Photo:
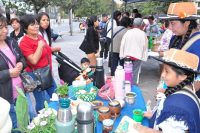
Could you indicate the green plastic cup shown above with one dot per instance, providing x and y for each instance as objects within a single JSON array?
[{"x": 138, "y": 115}]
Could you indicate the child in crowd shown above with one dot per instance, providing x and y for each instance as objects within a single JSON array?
[
  {"x": 85, "y": 63},
  {"x": 178, "y": 109},
  {"x": 87, "y": 72}
]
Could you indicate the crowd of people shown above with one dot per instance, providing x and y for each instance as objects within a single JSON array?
[
  {"x": 29, "y": 47},
  {"x": 178, "y": 39}
]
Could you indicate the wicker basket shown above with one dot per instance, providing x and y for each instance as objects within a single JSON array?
[{"x": 87, "y": 96}]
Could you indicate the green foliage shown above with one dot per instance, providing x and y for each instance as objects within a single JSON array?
[
  {"x": 22, "y": 110},
  {"x": 37, "y": 4},
  {"x": 65, "y": 5},
  {"x": 62, "y": 90},
  {"x": 151, "y": 7},
  {"x": 44, "y": 122},
  {"x": 93, "y": 7}
]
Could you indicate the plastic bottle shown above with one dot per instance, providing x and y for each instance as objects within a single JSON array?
[
  {"x": 128, "y": 68},
  {"x": 119, "y": 82},
  {"x": 148, "y": 105},
  {"x": 161, "y": 85}
]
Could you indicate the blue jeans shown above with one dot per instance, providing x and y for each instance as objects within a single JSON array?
[
  {"x": 31, "y": 108},
  {"x": 13, "y": 117},
  {"x": 41, "y": 96}
]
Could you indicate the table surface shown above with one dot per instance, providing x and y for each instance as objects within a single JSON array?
[{"x": 126, "y": 110}]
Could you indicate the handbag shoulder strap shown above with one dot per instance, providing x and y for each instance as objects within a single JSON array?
[
  {"x": 118, "y": 31},
  {"x": 190, "y": 42},
  {"x": 6, "y": 58}
]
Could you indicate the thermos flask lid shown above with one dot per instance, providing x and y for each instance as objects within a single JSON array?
[
  {"x": 64, "y": 102},
  {"x": 64, "y": 112},
  {"x": 84, "y": 112},
  {"x": 99, "y": 61},
  {"x": 119, "y": 67}
]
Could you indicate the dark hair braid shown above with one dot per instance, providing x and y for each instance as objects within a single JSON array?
[
  {"x": 187, "y": 81},
  {"x": 178, "y": 43}
]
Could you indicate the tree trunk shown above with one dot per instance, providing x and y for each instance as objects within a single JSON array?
[
  {"x": 8, "y": 14},
  {"x": 70, "y": 22}
]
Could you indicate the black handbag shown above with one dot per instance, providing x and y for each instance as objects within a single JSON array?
[
  {"x": 44, "y": 77},
  {"x": 83, "y": 45}
]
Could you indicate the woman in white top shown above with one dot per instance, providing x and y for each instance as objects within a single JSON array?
[
  {"x": 5, "y": 120},
  {"x": 45, "y": 28}
]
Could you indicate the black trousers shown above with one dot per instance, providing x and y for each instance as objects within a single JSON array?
[
  {"x": 105, "y": 44},
  {"x": 114, "y": 61}
]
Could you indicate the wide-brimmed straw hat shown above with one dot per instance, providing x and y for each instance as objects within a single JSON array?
[
  {"x": 181, "y": 59},
  {"x": 182, "y": 10}
]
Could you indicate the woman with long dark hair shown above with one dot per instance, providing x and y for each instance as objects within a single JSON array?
[
  {"x": 90, "y": 44},
  {"x": 45, "y": 28}
]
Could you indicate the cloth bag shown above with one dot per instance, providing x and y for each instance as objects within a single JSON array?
[{"x": 28, "y": 82}]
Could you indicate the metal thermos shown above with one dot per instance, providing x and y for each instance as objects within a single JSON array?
[
  {"x": 64, "y": 122},
  {"x": 99, "y": 80},
  {"x": 85, "y": 118}
]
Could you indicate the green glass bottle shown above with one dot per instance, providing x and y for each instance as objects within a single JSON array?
[{"x": 150, "y": 42}]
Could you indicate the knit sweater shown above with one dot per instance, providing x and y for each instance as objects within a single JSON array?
[{"x": 135, "y": 44}]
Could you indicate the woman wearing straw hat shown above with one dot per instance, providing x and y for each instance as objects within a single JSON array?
[
  {"x": 179, "y": 109},
  {"x": 183, "y": 18}
]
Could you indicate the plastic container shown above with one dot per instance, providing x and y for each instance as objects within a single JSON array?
[
  {"x": 128, "y": 68},
  {"x": 107, "y": 125},
  {"x": 119, "y": 82},
  {"x": 138, "y": 115},
  {"x": 127, "y": 86},
  {"x": 104, "y": 113},
  {"x": 115, "y": 108}
]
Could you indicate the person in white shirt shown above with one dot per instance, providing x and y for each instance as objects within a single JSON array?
[
  {"x": 134, "y": 44},
  {"x": 165, "y": 39},
  {"x": 116, "y": 20},
  {"x": 5, "y": 120}
]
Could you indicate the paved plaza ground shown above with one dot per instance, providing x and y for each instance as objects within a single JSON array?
[{"x": 70, "y": 47}]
